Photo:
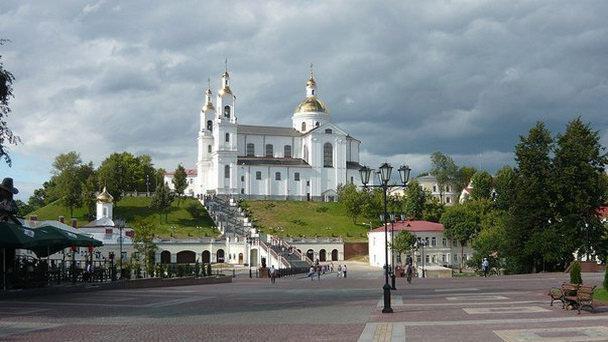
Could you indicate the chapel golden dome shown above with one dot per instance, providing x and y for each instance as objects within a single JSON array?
[
  {"x": 105, "y": 196},
  {"x": 311, "y": 104}
]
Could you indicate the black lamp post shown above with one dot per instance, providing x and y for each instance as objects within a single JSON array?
[
  {"x": 392, "y": 217},
  {"x": 385, "y": 176}
]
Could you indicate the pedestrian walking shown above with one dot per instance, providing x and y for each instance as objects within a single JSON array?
[
  {"x": 273, "y": 274},
  {"x": 409, "y": 271},
  {"x": 344, "y": 270},
  {"x": 331, "y": 268},
  {"x": 485, "y": 266},
  {"x": 319, "y": 272},
  {"x": 339, "y": 271},
  {"x": 311, "y": 273}
]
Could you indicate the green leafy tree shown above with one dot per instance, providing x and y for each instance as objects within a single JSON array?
[
  {"x": 373, "y": 205},
  {"x": 605, "y": 283},
  {"x": 580, "y": 187},
  {"x": 504, "y": 183},
  {"x": 89, "y": 190},
  {"x": 161, "y": 200},
  {"x": 489, "y": 242},
  {"x": 351, "y": 200},
  {"x": 180, "y": 181},
  {"x": 530, "y": 212},
  {"x": 444, "y": 170},
  {"x": 66, "y": 174},
  {"x": 461, "y": 223},
  {"x": 414, "y": 201},
  {"x": 482, "y": 185},
  {"x": 143, "y": 242},
  {"x": 7, "y": 137},
  {"x": 23, "y": 208},
  {"x": 463, "y": 177},
  {"x": 118, "y": 173},
  {"x": 403, "y": 242},
  {"x": 433, "y": 209}
]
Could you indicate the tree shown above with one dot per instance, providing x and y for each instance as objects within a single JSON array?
[
  {"x": 7, "y": 137},
  {"x": 373, "y": 204},
  {"x": 489, "y": 242},
  {"x": 414, "y": 201},
  {"x": 351, "y": 200},
  {"x": 482, "y": 185},
  {"x": 179, "y": 180},
  {"x": 444, "y": 170},
  {"x": 463, "y": 177},
  {"x": 66, "y": 174},
  {"x": 575, "y": 273},
  {"x": 89, "y": 200},
  {"x": 461, "y": 224},
  {"x": 530, "y": 212},
  {"x": 504, "y": 184},
  {"x": 433, "y": 209},
  {"x": 161, "y": 200},
  {"x": 579, "y": 187},
  {"x": 23, "y": 208},
  {"x": 118, "y": 174},
  {"x": 143, "y": 242},
  {"x": 403, "y": 242}
]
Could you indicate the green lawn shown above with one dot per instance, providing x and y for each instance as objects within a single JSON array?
[
  {"x": 310, "y": 219},
  {"x": 600, "y": 294},
  {"x": 188, "y": 219}
]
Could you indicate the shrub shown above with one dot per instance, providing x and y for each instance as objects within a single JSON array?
[
  {"x": 197, "y": 269},
  {"x": 322, "y": 209},
  {"x": 575, "y": 273}
]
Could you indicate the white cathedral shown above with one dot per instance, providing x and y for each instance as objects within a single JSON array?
[{"x": 304, "y": 162}]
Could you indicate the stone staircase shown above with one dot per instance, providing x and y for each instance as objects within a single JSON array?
[{"x": 233, "y": 221}]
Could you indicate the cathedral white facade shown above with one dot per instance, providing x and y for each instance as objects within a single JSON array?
[{"x": 304, "y": 162}]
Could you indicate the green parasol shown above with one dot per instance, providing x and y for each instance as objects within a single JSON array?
[
  {"x": 51, "y": 239},
  {"x": 16, "y": 236}
]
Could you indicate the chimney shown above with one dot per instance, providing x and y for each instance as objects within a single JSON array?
[
  {"x": 61, "y": 219},
  {"x": 74, "y": 222}
]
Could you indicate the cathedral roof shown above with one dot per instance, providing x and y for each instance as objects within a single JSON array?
[
  {"x": 272, "y": 161},
  {"x": 268, "y": 130},
  {"x": 311, "y": 104}
]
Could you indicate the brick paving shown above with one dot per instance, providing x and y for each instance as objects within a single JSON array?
[{"x": 510, "y": 308}]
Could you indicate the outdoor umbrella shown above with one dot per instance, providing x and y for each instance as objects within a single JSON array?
[
  {"x": 51, "y": 239},
  {"x": 15, "y": 236}
]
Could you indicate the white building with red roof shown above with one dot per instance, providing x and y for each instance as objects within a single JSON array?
[
  {"x": 190, "y": 180},
  {"x": 438, "y": 251}
]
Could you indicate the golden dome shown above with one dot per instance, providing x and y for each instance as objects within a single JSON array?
[
  {"x": 225, "y": 90},
  {"x": 311, "y": 104},
  {"x": 105, "y": 196}
]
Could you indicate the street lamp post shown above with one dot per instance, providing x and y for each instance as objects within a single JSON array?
[
  {"x": 385, "y": 176},
  {"x": 392, "y": 217}
]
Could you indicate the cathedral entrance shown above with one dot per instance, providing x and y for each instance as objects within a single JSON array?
[
  {"x": 165, "y": 257},
  {"x": 240, "y": 258},
  {"x": 220, "y": 255},
  {"x": 322, "y": 255},
  {"x": 334, "y": 255},
  {"x": 186, "y": 257},
  {"x": 310, "y": 254},
  {"x": 206, "y": 257}
]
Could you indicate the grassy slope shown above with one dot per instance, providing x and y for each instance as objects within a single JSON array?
[
  {"x": 600, "y": 294},
  {"x": 180, "y": 220},
  {"x": 295, "y": 219}
]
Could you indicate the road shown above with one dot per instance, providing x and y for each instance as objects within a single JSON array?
[{"x": 507, "y": 308}]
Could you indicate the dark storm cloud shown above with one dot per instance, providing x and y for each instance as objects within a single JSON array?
[{"x": 406, "y": 78}]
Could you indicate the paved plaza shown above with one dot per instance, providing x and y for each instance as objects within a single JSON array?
[{"x": 510, "y": 308}]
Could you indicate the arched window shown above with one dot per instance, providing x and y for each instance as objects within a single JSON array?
[
  {"x": 287, "y": 151},
  {"x": 328, "y": 155},
  {"x": 277, "y": 176},
  {"x": 209, "y": 125},
  {"x": 209, "y": 148},
  {"x": 227, "y": 171},
  {"x": 303, "y": 126},
  {"x": 227, "y": 111},
  {"x": 250, "y": 150},
  {"x": 227, "y": 137},
  {"x": 269, "y": 151}
]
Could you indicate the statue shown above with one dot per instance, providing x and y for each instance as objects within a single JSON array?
[{"x": 8, "y": 207}]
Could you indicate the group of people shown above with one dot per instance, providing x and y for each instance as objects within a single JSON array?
[{"x": 318, "y": 270}]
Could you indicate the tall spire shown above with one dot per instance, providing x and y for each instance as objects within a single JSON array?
[
  {"x": 208, "y": 106},
  {"x": 225, "y": 80},
  {"x": 311, "y": 84}
]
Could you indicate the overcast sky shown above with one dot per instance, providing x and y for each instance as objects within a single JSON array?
[{"x": 466, "y": 78}]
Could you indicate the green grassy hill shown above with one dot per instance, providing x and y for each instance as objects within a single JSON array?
[
  {"x": 188, "y": 219},
  {"x": 295, "y": 219}
]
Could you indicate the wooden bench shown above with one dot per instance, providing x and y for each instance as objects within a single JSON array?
[
  {"x": 582, "y": 298},
  {"x": 573, "y": 295}
]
